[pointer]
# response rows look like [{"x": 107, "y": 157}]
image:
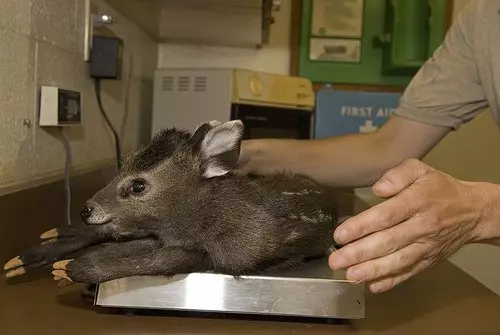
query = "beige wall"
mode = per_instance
[
  {"x": 480, "y": 161},
  {"x": 42, "y": 44}
]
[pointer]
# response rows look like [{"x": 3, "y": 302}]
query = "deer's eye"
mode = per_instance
[{"x": 138, "y": 186}]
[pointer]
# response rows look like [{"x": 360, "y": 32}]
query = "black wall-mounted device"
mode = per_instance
[{"x": 106, "y": 57}]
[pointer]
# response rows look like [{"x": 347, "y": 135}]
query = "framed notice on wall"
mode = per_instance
[
  {"x": 335, "y": 50},
  {"x": 337, "y": 18},
  {"x": 336, "y": 30}
]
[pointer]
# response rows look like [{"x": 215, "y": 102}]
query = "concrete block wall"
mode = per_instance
[{"x": 42, "y": 44}]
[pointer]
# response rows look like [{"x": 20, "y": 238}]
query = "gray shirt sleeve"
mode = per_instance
[{"x": 447, "y": 90}]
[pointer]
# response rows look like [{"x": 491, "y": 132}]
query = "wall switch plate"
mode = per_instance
[{"x": 59, "y": 107}]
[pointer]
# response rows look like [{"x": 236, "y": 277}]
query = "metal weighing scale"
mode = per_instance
[{"x": 312, "y": 290}]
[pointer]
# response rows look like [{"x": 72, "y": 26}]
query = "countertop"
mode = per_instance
[{"x": 442, "y": 300}]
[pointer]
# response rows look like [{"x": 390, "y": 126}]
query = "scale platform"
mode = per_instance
[{"x": 312, "y": 290}]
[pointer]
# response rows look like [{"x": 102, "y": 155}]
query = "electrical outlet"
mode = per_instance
[{"x": 59, "y": 107}]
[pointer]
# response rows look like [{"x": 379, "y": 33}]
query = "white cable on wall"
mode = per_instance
[{"x": 67, "y": 167}]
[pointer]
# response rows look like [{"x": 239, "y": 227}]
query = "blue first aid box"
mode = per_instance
[{"x": 346, "y": 112}]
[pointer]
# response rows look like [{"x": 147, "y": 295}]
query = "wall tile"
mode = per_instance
[
  {"x": 133, "y": 125},
  {"x": 61, "y": 68},
  {"x": 55, "y": 21},
  {"x": 17, "y": 96},
  {"x": 80, "y": 27},
  {"x": 16, "y": 15}
]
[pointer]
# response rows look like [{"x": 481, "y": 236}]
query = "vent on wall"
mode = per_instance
[
  {"x": 200, "y": 84},
  {"x": 184, "y": 84},
  {"x": 167, "y": 84}
]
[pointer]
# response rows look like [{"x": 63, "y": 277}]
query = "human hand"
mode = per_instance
[
  {"x": 244, "y": 165},
  {"x": 253, "y": 160},
  {"x": 428, "y": 216}
]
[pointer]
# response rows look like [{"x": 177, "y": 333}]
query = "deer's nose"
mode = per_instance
[{"x": 86, "y": 213}]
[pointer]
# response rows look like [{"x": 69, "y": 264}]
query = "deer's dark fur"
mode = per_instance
[{"x": 176, "y": 207}]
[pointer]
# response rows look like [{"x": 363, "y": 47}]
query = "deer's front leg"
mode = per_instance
[
  {"x": 134, "y": 258},
  {"x": 58, "y": 243}
]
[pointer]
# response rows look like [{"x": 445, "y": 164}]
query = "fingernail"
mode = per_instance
[
  {"x": 341, "y": 236},
  {"x": 356, "y": 274},
  {"x": 339, "y": 262},
  {"x": 375, "y": 287},
  {"x": 382, "y": 183}
]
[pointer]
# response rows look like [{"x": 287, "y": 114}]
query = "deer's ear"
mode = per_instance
[
  {"x": 220, "y": 147},
  {"x": 201, "y": 132}
]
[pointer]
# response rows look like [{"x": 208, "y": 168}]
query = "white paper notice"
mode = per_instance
[
  {"x": 337, "y": 18},
  {"x": 335, "y": 50}
]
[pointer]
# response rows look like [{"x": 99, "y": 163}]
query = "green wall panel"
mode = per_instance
[{"x": 397, "y": 38}]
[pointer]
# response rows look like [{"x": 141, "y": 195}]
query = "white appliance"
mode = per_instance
[{"x": 269, "y": 105}]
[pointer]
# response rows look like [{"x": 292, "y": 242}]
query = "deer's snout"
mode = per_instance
[
  {"x": 86, "y": 212},
  {"x": 94, "y": 213}
]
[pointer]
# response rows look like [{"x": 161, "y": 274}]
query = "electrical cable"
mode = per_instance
[
  {"x": 67, "y": 167},
  {"x": 97, "y": 83}
]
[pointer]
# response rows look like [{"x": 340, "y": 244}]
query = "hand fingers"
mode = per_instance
[
  {"x": 392, "y": 264},
  {"x": 378, "y": 244},
  {"x": 379, "y": 217},
  {"x": 399, "y": 178},
  {"x": 387, "y": 283}
]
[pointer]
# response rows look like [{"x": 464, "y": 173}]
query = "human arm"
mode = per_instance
[
  {"x": 355, "y": 160},
  {"x": 445, "y": 93}
]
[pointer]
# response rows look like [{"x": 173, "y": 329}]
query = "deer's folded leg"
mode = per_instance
[
  {"x": 133, "y": 258},
  {"x": 58, "y": 244}
]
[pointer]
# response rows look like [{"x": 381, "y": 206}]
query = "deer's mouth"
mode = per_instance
[{"x": 99, "y": 220}]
